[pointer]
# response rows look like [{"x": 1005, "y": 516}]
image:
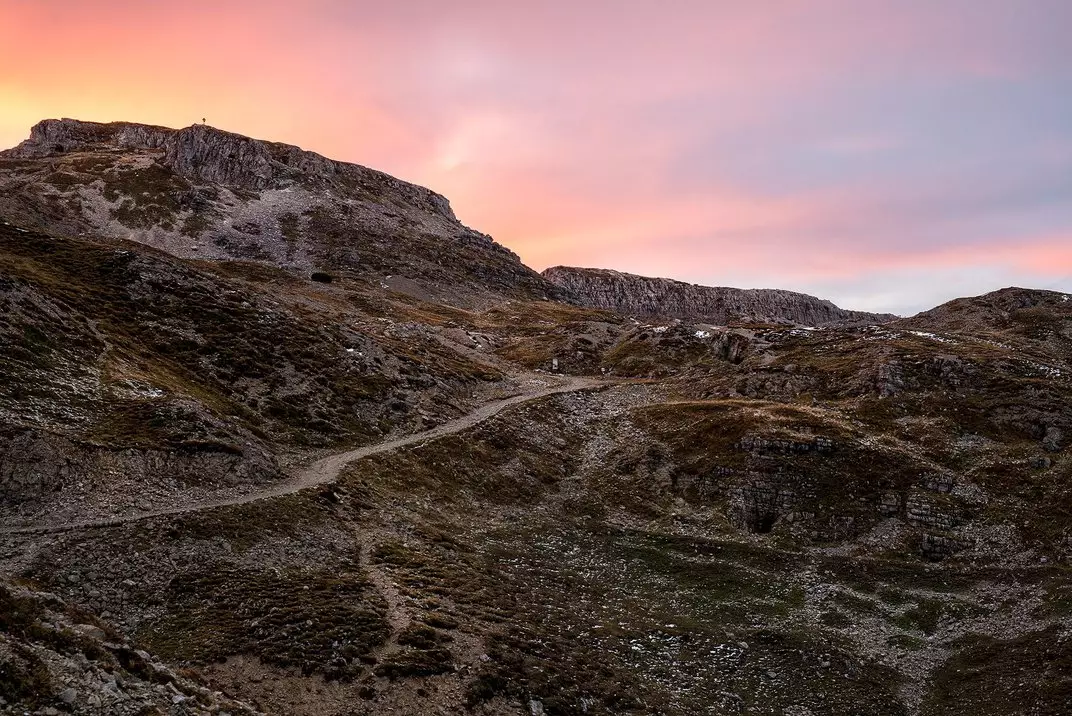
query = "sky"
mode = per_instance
[{"x": 885, "y": 154}]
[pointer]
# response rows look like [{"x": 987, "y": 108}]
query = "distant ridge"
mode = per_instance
[
  {"x": 995, "y": 310},
  {"x": 666, "y": 298}
]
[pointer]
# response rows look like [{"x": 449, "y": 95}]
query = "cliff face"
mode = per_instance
[
  {"x": 665, "y": 298},
  {"x": 200, "y": 192}
]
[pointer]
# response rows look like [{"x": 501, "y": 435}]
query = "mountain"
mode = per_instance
[
  {"x": 228, "y": 485},
  {"x": 200, "y": 192},
  {"x": 666, "y": 298}
]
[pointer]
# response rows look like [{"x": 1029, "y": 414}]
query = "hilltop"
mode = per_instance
[{"x": 201, "y": 192}]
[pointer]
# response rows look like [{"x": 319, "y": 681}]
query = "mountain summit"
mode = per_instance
[
  {"x": 201, "y": 192},
  {"x": 203, "y": 153}
]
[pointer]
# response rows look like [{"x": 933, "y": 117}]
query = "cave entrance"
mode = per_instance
[{"x": 763, "y": 522}]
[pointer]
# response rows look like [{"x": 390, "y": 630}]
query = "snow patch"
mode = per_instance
[
  {"x": 1047, "y": 371},
  {"x": 924, "y": 334}
]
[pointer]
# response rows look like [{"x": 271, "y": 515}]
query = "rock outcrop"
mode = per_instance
[
  {"x": 1023, "y": 311},
  {"x": 666, "y": 298}
]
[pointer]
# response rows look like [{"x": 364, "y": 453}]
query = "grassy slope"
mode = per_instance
[{"x": 241, "y": 346}]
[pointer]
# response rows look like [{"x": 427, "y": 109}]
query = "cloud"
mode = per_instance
[{"x": 828, "y": 144}]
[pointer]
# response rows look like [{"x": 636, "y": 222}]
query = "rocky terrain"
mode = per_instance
[
  {"x": 233, "y": 486},
  {"x": 666, "y": 298},
  {"x": 49, "y": 647}
]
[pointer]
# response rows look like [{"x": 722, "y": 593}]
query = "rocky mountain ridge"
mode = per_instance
[
  {"x": 666, "y": 298},
  {"x": 201, "y": 192},
  {"x": 201, "y": 152}
]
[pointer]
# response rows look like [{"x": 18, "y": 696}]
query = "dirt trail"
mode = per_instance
[{"x": 327, "y": 469}]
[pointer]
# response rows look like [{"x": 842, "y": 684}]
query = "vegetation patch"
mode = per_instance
[
  {"x": 991, "y": 677},
  {"x": 322, "y": 622},
  {"x": 243, "y": 526}
]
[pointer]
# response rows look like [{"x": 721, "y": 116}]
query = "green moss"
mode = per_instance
[
  {"x": 853, "y": 603},
  {"x": 876, "y": 575},
  {"x": 907, "y": 642},
  {"x": 835, "y": 619},
  {"x": 424, "y": 661},
  {"x": 926, "y": 614},
  {"x": 1057, "y": 601}
]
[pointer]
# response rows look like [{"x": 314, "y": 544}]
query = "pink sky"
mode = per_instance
[{"x": 886, "y": 155}]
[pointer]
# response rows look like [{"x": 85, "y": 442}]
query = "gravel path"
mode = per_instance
[{"x": 327, "y": 469}]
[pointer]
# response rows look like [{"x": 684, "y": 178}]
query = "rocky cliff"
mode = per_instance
[
  {"x": 665, "y": 298},
  {"x": 200, "y": 192},
  {"x": 204, "y": 153}
]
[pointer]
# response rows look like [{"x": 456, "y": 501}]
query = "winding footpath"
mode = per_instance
[{"x": 326, "y": 470}]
